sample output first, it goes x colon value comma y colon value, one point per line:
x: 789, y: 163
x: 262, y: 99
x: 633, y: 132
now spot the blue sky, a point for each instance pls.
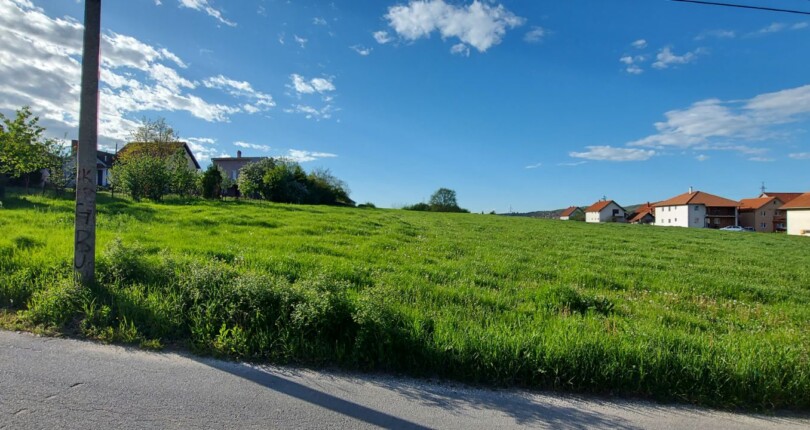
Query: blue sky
x: 523, y: 104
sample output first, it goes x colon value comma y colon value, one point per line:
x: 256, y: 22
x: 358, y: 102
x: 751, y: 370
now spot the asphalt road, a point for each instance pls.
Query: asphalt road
x: 58, y: 383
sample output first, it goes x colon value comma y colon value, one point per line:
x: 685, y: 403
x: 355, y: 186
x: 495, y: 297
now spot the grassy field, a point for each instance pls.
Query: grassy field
x: 706, y: 317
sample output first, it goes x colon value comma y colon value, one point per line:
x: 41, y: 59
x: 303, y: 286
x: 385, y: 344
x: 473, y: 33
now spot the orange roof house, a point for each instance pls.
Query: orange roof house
x: 798, y: 215
x: 572, y: 212
x: 784, y: 197
x: 605, y: 211
x: 644, y: 214
x: 696, y: 209
x: 762, y: 214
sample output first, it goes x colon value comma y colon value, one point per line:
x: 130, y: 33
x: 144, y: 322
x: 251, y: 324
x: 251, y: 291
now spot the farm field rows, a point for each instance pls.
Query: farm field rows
x: 706, y: 317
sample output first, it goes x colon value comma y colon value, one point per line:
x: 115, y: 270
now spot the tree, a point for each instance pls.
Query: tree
x: 143, y: 176
x: 154, y: 130
x: 444, y: 200
x: 23, y: 149
x: 62, y: 169
x: 182, y: 178
x: 251, y: 179
x: 211, y: 182
x: 326, y: 189
x: 286, y: 183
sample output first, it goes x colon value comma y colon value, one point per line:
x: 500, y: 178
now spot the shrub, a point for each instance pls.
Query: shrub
x: 211, y: 183
x: 57, y: 304
x: 142, y: 176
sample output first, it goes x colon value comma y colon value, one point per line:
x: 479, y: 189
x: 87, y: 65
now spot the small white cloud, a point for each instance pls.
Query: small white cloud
x: 632, y: 63
x: 573, y: 164
x: 316, y: 85
x: 318, y: 21
x: 535, y: 35
x: 702, y: 157
x: 639, y: 44
x: 717, y: 34
x: 799, y: 26
x: 666, y: 58
x: 460, y: 49
x: 302, y: 156
x: 761, y: 159
x: 800, y: 156
x: 300, y: 41
x: 479, y: 24
x: 362, y: 50
x: 204, y: 6
x: 263, y: 148
x: 382, y: 37
x: 609, y: 153
x: 634, y: 69
x: 534, y: 166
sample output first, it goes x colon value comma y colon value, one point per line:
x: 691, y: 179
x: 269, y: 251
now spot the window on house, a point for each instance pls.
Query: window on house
x: 696, y: 208
x: 615, y: 212
x: 764, y: 225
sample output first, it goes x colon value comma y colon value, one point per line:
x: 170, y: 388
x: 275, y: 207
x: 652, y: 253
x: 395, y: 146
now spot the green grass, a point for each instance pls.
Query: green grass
x: 706, y: 317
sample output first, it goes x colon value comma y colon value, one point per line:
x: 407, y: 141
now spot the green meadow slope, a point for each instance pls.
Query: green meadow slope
x: 706, y: 317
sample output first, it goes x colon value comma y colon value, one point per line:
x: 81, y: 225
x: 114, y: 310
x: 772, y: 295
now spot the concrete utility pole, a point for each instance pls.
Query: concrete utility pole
x: 84, y: 257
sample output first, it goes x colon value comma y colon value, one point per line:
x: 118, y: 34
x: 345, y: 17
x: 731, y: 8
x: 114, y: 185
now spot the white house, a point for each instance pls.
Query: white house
x: 605, y: 211
x: 798, y: 215
x: 697, y: 209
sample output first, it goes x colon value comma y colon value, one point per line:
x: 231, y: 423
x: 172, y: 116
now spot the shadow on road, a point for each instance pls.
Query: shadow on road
x: 312, y: 396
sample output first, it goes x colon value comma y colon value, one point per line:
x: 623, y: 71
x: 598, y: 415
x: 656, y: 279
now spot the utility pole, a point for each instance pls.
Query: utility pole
x: 84, y: 257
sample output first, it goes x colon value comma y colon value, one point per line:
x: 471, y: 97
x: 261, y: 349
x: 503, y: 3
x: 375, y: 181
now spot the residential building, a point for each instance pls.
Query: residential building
x: 160, y: 150
x: 574, y: 213
x: 231, y: 165
x: 798, y: 215
x: 103, y: 164
x: 762, y: 214
x: 780, y: 217
x: 644, y: 214
x: 605, y: 211
x: 696, y: 209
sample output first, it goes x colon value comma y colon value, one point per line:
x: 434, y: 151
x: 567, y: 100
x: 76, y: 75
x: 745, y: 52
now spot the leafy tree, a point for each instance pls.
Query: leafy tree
x: 182, y: 178
x: 154, y: 130
x: 211, y: 182
x: 442, y: 199
x: 326, y: 189
x: 62, y: 169
x: 251, y: 178
x: 143, y: 176
x: 286, y: 183
x: 23, y: 149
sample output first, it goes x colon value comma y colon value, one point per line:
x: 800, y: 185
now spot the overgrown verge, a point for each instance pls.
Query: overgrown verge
x: 229, y: 309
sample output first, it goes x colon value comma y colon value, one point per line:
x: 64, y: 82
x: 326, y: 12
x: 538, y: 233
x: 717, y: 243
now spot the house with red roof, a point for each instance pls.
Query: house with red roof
x: 644, y: 214
x: 762, y: 214
x: 605, y: 211
x: 798, y: 215
x: 574, y: 213
x: 697, y: 209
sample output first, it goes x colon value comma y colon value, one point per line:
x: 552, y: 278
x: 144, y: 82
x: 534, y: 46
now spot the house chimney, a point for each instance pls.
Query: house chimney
x: 690, y: 190
x: 238, y: 154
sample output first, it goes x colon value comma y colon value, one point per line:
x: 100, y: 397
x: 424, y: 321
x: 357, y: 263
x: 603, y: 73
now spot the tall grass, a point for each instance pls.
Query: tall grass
x: 706, y: 317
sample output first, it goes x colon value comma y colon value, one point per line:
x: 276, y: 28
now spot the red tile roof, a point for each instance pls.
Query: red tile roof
x: 754, y: 204
x: 801, y: 202
x: 699, y: 198
x: 784, y: 197
x: 598, y: 206
x: 569, y: 211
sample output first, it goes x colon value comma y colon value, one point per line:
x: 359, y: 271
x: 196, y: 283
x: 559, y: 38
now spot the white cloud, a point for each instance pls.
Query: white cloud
x: 573, y: 164
x: 762, y: 159
x: 40, y: 66
x: 300, y: 41
x: 310, y: 112
x: 717, y: 34
x: 702, y: 157
x: 316, y: 85
x: 382, y: 37
x: 639, y: 44
x: 632, y: 63
x: 263, y: 148
x: 609, y: 153
x: 799, y: 26
x: 534, y: 166
x: 710, y: 124
x: 301, y: 156
x: 318, y: 21
x: 362, y: 50
x: 479, y: 25
x: 535, y: 35
x: 667, y: 58
x: 204, y: 148
x: 460, y: 49
x: 800, y: 156
x: 204, y: 6
x: 242, y: 89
